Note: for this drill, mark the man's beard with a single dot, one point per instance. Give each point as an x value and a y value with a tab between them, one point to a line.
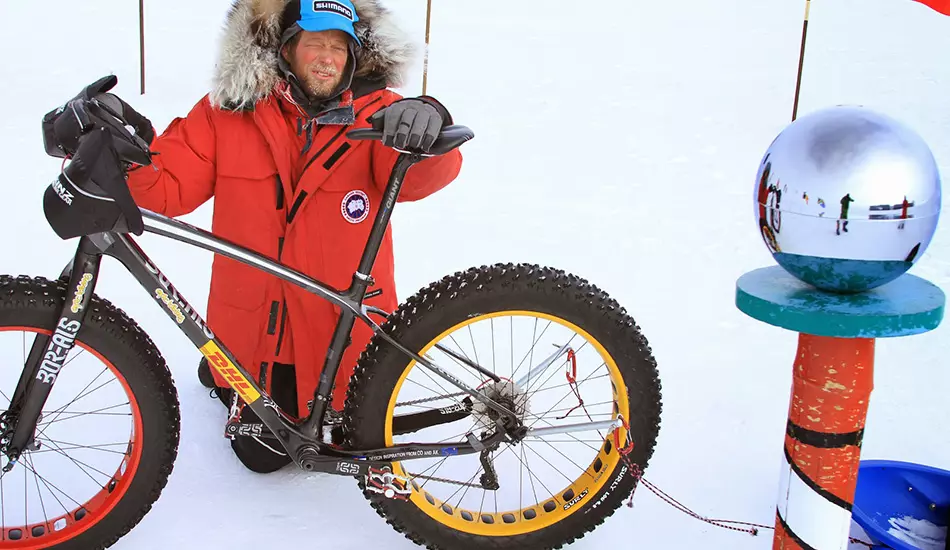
320	88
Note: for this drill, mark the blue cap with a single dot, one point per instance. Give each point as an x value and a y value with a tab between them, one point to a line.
325	15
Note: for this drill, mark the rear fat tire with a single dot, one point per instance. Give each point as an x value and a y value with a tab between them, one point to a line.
484	290
36	302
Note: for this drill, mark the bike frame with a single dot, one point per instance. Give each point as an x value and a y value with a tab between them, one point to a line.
302	440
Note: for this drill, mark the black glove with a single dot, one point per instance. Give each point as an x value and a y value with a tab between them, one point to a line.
62	127
411	124
142	125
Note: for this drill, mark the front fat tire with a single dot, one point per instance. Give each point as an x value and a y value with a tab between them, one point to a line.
36	303
484	290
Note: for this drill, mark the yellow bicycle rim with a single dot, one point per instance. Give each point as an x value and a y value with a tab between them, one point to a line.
542	514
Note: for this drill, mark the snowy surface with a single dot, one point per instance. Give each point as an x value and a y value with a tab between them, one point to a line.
620	143
918	532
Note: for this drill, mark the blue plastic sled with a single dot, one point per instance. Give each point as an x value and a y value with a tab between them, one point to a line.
902	505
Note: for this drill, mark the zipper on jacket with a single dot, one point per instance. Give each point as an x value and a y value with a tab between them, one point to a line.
334	138
272	321
320	152
309	143
280	193
283	320
280	247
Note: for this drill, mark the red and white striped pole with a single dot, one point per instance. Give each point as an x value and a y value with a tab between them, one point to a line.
833	379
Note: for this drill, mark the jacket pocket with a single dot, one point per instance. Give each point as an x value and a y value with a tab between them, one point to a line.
245	213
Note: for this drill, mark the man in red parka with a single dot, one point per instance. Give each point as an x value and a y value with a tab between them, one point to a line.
269	144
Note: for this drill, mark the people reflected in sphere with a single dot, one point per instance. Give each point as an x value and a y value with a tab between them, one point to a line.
904	206
842	223
764	192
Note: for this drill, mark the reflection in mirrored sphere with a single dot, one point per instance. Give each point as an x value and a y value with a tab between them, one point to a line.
847	199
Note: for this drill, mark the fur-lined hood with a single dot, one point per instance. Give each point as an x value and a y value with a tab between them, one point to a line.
247	68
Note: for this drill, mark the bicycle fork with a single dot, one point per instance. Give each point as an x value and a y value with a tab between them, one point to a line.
48	355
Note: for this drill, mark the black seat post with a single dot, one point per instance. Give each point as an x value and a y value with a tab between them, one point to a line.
396	177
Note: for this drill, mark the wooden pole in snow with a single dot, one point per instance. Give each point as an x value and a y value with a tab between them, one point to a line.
801	60
142	42
425	68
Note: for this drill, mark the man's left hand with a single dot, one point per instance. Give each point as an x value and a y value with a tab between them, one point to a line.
411	124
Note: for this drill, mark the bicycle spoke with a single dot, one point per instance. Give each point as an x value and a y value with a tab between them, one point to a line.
535	338
569	480
550	376
511	347
46	484
579	384
465	355
39	494
425	371
591	405
539	370
532	477
474	347
77	462
62	445
49	484
423	386
524	464
441	462
596	450
95	412
60	410
464	486
568	385
491	324
569	459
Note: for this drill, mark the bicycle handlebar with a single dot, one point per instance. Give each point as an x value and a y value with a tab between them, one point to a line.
449	138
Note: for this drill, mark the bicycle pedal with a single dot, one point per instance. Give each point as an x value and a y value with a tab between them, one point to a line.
384	482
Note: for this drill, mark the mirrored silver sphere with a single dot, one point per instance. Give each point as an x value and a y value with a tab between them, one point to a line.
847	199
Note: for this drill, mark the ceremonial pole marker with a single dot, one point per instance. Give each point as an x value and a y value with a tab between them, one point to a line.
847	200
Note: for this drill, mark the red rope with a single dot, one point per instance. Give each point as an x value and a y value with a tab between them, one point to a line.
637	475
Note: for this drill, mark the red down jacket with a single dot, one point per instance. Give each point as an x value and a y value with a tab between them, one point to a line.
289	207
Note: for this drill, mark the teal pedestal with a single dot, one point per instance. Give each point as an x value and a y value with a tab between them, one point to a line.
906	306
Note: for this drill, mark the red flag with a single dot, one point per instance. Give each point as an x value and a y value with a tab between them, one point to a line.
943	6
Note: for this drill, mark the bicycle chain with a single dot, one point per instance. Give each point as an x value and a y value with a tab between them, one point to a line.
418	401
443	480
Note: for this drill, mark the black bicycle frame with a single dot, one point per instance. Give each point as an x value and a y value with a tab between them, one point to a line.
302	441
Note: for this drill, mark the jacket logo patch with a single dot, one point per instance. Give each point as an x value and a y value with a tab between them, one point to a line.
355	206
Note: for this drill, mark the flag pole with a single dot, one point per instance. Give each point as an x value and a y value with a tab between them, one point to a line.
425	68
801	60
142	42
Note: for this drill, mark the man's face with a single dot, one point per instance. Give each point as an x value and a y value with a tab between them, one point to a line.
318	61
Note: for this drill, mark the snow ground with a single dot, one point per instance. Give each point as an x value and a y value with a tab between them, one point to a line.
619	142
